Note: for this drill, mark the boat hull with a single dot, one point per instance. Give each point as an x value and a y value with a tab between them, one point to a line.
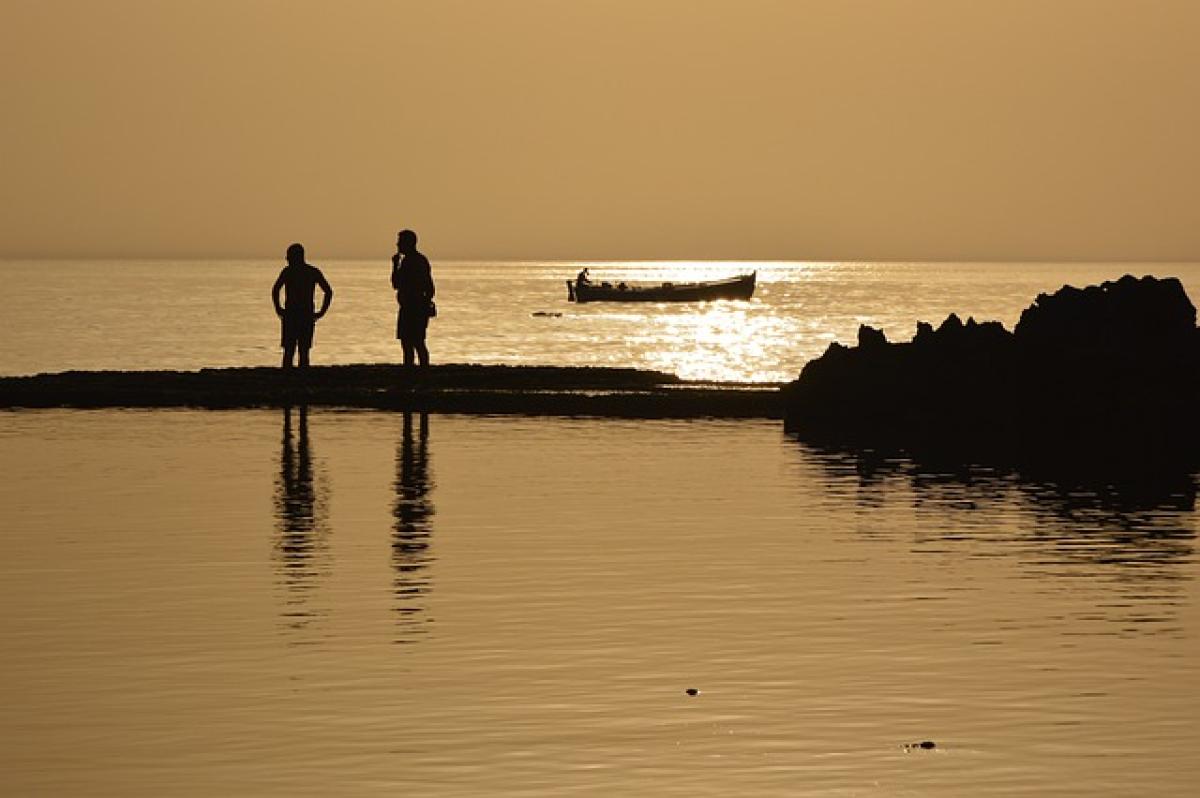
741	287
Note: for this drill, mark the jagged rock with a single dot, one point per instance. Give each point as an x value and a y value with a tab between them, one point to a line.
869	337
1111	370
951	326
1121	314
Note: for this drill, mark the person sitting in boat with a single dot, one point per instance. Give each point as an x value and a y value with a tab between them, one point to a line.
582	278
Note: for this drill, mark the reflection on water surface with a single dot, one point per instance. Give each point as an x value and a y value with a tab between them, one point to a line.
829	608
1133	534
303	550
302	516
413	511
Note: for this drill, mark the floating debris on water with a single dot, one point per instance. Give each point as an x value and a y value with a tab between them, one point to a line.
926	745
546	313
692	691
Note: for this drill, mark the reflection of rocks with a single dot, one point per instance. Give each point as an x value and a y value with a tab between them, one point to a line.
301	515
413	512
1061	492
1134	536
1109	371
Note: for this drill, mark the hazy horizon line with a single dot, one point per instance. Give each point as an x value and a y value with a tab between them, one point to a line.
626	260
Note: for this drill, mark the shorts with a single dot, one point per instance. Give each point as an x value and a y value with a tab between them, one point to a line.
411	323
297	330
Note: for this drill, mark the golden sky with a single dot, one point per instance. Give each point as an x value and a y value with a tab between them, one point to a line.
596	129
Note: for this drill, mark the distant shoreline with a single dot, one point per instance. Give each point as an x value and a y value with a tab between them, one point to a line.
452	388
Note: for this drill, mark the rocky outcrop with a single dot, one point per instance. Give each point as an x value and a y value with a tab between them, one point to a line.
451	388
1108	371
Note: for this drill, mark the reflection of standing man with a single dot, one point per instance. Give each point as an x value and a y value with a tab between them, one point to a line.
299	505
299	281
413	280
302	522
413	512
295	495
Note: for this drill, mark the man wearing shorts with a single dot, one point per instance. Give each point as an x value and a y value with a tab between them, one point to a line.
298	281
412	279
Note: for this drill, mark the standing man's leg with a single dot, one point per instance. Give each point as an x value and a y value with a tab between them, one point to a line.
422	351
421	328
404	332
289	338
305	326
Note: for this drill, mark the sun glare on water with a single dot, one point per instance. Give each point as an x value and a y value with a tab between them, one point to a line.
721	341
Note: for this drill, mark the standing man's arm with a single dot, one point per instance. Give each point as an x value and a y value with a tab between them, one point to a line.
396	272
275	295
326	294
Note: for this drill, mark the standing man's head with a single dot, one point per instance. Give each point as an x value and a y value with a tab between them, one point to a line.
406	241
295	255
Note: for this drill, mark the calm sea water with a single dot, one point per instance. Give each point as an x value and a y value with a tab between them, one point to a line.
189	315
326	602
358	603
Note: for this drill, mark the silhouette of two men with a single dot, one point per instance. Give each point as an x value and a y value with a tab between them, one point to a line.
412	279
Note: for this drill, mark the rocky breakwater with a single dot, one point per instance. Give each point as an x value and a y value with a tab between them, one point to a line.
1103	373
450	388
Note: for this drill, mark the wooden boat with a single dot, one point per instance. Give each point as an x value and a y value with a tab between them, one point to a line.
740	287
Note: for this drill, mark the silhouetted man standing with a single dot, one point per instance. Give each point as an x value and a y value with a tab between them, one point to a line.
299	281
413	280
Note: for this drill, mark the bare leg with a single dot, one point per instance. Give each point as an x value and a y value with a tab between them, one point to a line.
304	357
289	353
422	353
407	346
